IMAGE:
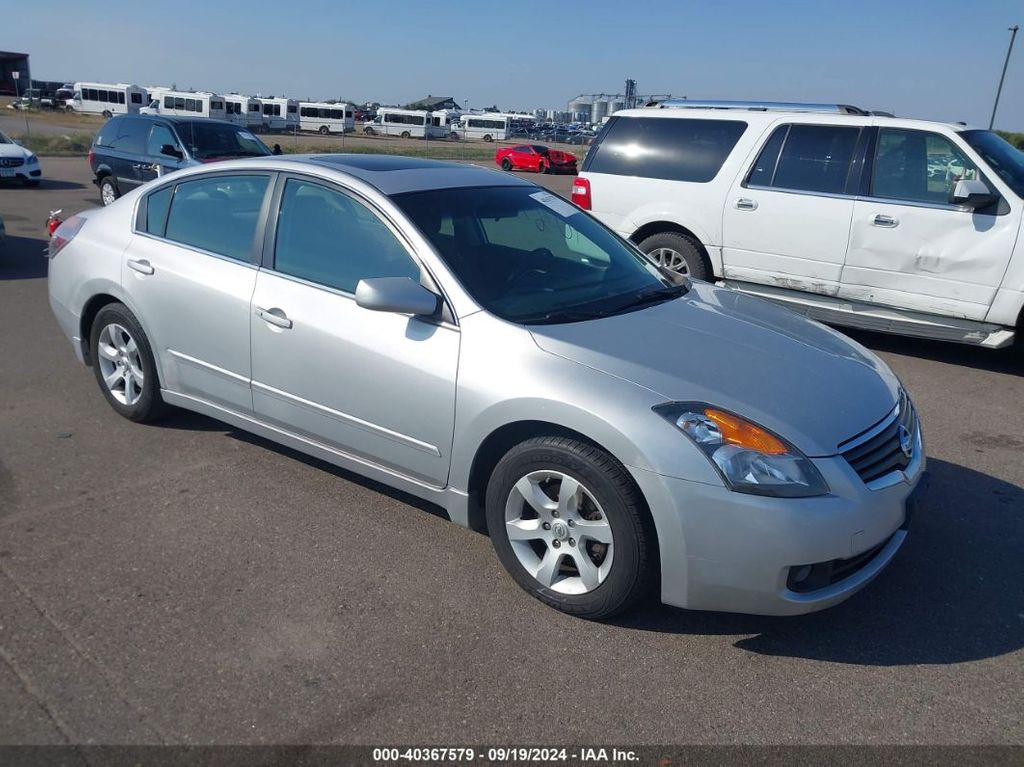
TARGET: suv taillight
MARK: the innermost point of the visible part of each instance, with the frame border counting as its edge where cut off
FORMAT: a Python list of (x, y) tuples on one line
[(581, 193), (64, 234), (92, 154)]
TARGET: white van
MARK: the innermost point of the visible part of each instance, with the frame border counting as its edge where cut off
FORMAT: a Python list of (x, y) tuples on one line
[(407, 123), (854, 218), (106, 99), (490, 126), (279, 114), (243, 110), (326, 118), (447, 120), (186, 104)]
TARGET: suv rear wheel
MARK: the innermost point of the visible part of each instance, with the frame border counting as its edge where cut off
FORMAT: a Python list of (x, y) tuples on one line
[(678, 253), (108, 190)]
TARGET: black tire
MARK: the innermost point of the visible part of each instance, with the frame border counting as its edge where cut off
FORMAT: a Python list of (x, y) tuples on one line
[(488, 138), (406, 134), (324, 130), (453, 136), (106, 114), (543, 167), (150, 405), (506, 164), (368, 130), (634, 562), (108, 181), (697, 264)]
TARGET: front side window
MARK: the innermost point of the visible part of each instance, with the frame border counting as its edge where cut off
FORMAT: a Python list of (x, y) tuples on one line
[(331, 239), (160, 136), (816, 158), (1006, 160), (528, 256), (168, 102), (206, 140), (666, 148), (917, 166), (217, 214)]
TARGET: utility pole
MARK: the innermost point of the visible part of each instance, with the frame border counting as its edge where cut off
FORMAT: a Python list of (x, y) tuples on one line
[(999, 90)]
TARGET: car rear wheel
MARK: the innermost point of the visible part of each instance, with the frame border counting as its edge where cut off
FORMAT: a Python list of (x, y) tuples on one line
[(543, 167), (488, 137), (405, 134), (106, 114), (570, 526), (123, 362), (324, 130), (108, 190), (678, 253), (506, 164)]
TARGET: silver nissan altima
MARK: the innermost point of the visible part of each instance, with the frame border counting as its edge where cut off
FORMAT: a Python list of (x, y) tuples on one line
[(472, 339)]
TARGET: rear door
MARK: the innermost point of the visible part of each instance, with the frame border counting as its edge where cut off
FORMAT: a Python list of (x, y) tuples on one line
[(123, 149), (191, 270), (786, 222), (909, 247)]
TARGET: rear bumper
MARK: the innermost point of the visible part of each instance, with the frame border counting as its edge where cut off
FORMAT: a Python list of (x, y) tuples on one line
[(731, 552)]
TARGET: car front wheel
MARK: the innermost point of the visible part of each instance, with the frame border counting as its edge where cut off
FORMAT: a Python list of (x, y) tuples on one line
[(123, 362), (570, 526)]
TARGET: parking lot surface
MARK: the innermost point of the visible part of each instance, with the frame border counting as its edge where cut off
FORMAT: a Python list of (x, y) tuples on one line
[(190, 583)]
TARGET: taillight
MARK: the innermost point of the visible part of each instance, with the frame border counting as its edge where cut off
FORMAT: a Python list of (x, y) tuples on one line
[(64, 233), (92, 155), (581, 193)]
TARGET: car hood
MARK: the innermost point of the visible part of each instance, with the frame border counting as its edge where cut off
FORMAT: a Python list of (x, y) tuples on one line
[(13, 150), (804, 381)]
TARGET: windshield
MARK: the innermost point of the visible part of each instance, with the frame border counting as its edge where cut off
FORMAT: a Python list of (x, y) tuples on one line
[(1003, 158), (529, 256), (207, 140)]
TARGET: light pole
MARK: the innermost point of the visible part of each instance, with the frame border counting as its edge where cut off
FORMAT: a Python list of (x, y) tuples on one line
[(999, 90)]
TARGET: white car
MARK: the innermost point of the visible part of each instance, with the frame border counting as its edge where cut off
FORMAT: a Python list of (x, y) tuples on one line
[(16, 162), (850, 217)]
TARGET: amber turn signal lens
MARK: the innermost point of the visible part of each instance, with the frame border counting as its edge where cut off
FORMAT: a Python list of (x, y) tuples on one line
[(736, 431)]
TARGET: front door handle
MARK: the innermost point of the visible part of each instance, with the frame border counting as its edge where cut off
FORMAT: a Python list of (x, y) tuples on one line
[(745, 203), (142, 266), (888, 222), (274, 316)]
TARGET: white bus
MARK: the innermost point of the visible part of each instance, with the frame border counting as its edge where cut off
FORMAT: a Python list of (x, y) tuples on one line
[(107, 99), (490, 126), (186, 104), (407, 123), (279, 114), (244, 110), (326, 118), (448, 119)]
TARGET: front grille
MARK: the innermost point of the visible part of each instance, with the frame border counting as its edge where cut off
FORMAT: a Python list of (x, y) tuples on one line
[(805, 578), (11, 162), (879, 450)]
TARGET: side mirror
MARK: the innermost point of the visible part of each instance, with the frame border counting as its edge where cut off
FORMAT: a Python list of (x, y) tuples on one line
[(171, 151), (400, 295), (971, 193)]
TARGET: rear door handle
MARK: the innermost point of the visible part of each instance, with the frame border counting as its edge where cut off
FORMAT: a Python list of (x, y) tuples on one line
[(885, 221), (274, 316), (745, 203), (142, 266)]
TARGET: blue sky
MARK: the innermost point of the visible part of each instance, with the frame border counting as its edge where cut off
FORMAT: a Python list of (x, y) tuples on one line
[(926, 58)]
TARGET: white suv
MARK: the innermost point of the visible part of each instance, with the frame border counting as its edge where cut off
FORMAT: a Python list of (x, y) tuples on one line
[(858, 219)]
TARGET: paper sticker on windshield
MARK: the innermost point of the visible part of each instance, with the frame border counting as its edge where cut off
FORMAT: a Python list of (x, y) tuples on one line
[(556, 203), (246, 135)]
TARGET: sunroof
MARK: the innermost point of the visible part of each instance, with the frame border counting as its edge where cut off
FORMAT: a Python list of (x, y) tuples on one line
[(381, 162)]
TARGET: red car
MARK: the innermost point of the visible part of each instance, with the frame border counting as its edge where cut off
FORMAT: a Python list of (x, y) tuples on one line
[(535, 157)]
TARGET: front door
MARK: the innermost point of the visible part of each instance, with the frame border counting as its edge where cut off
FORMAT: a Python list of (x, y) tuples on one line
[(156, 163), (910, 248), (786, 223), (376, 385), (191, 271)]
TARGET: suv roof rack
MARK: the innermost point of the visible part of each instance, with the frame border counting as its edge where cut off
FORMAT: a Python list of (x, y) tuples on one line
[(759, 106)]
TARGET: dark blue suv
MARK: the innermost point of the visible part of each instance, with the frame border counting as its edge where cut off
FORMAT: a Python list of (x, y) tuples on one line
[(133, 149)]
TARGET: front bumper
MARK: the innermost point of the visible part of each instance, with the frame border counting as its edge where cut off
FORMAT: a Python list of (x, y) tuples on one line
[(732, 552)]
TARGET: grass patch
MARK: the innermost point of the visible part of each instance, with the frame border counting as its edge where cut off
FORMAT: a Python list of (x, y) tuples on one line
[(71, 145)]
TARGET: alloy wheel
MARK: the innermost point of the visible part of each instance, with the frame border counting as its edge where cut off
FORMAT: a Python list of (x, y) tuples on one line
[(670, 259), (120, 364)]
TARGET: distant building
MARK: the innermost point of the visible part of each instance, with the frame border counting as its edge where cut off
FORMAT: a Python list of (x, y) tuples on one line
[(432, 103), (10, 63), (595, 107)]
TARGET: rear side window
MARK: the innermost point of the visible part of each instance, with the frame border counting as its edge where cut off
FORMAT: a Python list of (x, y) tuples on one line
[(666, 148), (217, 214), (130, 136), (157, 205), (815, 158)]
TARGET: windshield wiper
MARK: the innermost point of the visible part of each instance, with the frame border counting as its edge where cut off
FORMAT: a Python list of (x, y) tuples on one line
[(657, 296), (562, 315)]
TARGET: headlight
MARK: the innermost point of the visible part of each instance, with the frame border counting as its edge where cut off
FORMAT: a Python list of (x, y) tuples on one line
[(749, 458), (31, 159)]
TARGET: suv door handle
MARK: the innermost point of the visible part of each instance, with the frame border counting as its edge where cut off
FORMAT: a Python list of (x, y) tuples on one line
[(274, 316), (142, 266), (744, 203), (885, 221)]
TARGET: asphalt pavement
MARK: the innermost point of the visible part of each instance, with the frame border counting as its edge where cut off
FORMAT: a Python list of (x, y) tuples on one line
[(190, 583)]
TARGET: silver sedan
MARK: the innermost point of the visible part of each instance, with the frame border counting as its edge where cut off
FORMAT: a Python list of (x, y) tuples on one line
[(467, 337)]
